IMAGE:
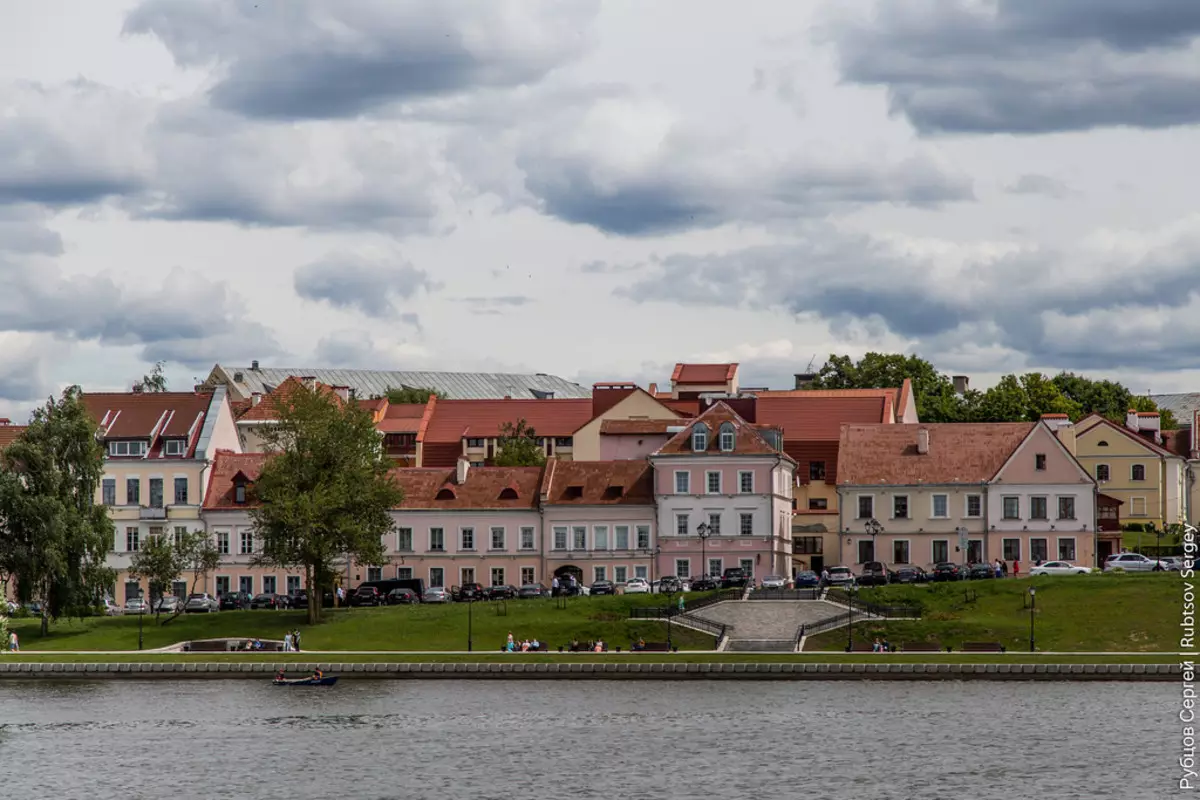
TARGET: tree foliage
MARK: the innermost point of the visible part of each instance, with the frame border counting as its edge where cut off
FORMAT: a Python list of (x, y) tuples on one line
[(1014, 398), (53, 535), (155, 381), (326, 495), (518, 446), (162, 560), (410, 394)]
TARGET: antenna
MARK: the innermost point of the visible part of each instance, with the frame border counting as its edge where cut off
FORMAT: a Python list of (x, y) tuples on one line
[(811, 361)]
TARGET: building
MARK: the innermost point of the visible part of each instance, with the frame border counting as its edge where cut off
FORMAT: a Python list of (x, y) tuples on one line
[(156, 465), (9, 433), (966, 493), (626, 423), (724, 494), (262, 410)]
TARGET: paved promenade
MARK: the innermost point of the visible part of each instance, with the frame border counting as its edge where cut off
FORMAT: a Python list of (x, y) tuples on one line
[(768, 619)]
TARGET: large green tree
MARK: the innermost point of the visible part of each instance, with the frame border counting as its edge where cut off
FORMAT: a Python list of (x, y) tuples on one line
[(410, 394), (155, 381), (53, 535), (161, 560), (327, 493), (518, 446)]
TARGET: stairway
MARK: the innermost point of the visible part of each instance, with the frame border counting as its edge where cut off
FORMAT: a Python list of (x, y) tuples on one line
[(761, 645)]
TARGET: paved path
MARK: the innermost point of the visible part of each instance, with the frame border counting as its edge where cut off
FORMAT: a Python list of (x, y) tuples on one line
[(768, 619)]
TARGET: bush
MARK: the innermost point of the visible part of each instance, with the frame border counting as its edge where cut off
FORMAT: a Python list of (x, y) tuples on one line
[(1134, 527)]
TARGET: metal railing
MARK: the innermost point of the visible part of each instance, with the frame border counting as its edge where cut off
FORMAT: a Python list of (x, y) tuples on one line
[(692, 604), (801, 632), (812, 629), (671, 612), (886, 612), (785, 594)]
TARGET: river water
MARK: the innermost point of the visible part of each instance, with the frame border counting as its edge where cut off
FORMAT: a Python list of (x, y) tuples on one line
[(562, 740)]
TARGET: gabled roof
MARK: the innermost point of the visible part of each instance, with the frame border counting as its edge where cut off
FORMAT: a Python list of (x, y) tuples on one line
[(10, 433), (268, 407), (607, 396), (1094, 419), (403, 417), (639, 427), (226, 466), (151, 416), (1063, 450), (703, 374), (805, 417), (453, 420), (748, 440), (514, 488), (594, 483), (883, 455)]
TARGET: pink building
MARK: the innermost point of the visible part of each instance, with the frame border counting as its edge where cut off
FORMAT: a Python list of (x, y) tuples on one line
[(724, 494)]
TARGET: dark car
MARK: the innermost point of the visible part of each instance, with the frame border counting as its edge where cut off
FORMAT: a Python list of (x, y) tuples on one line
[(468, 591), (946, 571), (401, 596), (910, 575), (368, 596), (268, 600), (602, 587), (874, 573), (704, 583), (806, 579), (978, 572), (669, 584), (235, 601), (299, 599), (532, 591), (734, 578), (504, 592)]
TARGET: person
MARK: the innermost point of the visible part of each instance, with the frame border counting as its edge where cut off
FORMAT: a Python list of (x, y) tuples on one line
[(824, 576), (296, 639), (1016, 568), (14, 644), (599, 646), (554, 587), (876, 647), (574, 584), (287, 642), (317, 674), (886, 646), (525, 646), (341, 596), (258, 644), (510, 637), (535, 644), (641, 645), (279, 676), (574, 645)]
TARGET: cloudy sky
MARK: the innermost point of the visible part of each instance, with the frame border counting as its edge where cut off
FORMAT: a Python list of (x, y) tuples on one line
[(597, 188)]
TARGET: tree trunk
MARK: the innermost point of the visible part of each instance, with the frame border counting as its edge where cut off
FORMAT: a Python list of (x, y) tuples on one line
[(314, 598), (45, 620)]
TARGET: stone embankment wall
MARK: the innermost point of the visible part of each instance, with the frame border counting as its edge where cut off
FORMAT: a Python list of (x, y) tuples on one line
[(604, 671)]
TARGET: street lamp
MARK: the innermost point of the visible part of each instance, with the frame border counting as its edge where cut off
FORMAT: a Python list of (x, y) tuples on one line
[(1158, 534), (141, 614), (669, 611), (653, 553), (704, 531), (850, 619), (874, 528), (1032, 606), (470, 622)]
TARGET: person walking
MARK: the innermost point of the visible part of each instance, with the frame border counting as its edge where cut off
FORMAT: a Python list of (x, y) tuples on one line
[(14, 644), (296, 639), (1016, 568), (287, 642)]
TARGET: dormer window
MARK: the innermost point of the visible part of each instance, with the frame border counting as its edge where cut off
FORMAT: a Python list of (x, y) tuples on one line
[(728, 437), (445, 493), (127, 449), (699, 439), (508, 493), (614, 492), (1102, 444), (574, 492), (239, 493), (175, 447)]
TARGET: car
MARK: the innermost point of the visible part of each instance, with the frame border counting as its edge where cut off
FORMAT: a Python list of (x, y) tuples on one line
[(299, 599), (978, 572), (774, 582), (111, 609), (840, 576), (1060, 568), (667, 584), (910, 574), (169, 605), (947, 571), (874, 573), (1174, 563), (806, 579), (734, 578), (436, 594), (368, 596), (235, 601), (1132, 562), (401, 596), (201, 603), (502, 592), (637, 586), (704, 583), (268, 600), (136, 605), (532, 591), (468, 591), (602, 587)]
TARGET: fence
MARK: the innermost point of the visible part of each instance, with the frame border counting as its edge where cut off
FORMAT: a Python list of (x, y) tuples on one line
[(785, 594), (886, 612), (692, 604), (717, 629)]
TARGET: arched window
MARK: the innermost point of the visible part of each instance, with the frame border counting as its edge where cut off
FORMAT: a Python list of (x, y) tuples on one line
[(699, 439), (445, 494), (728, 437), (508, 493), (1138, 473), (1101, 443)]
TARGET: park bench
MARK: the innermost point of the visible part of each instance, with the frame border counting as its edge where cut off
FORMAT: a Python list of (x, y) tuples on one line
[(982, 647), (653, 647), (211, 646), (921, 647), (861, 647)]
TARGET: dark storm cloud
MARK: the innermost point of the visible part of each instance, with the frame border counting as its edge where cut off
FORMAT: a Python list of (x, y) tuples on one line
[(371, 285)]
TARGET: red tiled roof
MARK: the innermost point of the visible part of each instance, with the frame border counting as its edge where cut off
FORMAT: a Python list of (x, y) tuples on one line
[(239, 407), (688, 408), (226, 466), (1121, 429), (1178, 441), (810, 416), (150, 415), (593, 483), (703, 374), (452, 420), (10, 433), (958, 452), (267, 409), (402, 418), (482, 489), (748, 440), (639, 427)]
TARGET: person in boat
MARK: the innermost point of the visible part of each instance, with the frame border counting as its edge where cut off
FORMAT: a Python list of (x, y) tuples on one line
[(318, 674), (280, 676)]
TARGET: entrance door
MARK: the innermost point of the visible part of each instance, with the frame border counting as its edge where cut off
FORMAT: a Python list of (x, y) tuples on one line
[(1104, 550), (975, 551), (818, 563)]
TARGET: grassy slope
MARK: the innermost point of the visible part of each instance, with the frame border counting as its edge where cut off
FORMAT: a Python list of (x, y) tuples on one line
[(421, 627), (1107, 613), (645, 658)]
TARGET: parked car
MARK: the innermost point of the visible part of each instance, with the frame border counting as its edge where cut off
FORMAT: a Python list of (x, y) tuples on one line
[(201, 603), (136, 605), (947, 571), (468, 591), (299, 599), (602, 587), (436, 594), (637, 586), (979, 572), (734, 578), (1173, 563), (235, 601), (874, 573), (667, 584), (840, 576), (401, 596), (1060, 568), (503, 592), (268, 600), (774, 582), (704, 583), (807, 579), (910, 574), (169, 604), (532, 591), (1132, 562), (368, 596), (111, 609)]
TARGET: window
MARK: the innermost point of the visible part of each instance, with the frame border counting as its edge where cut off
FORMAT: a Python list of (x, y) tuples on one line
[(180, 533), (474, 442), (478, 464), (175, 447), (699, 439), (866, 551), (269, 584), (130, 449), (1102, 473), (1012, 507), (620, 574), (621, 537), (156, 533), (527, 538), (714, 524), (246, 543), (683, 568), (598, 573), (222, 585), (1066, 549), (466, 575), (939, 506), (1138, 472), (1066, 507), (1039, 462), (746, 524), (683, 482), (1037, 508), (728, 437), (437, 540), (818, 504), (132, 539), (900, 552), (807, 545), (1038, 550), (560, 537), (528, 575), (497, 576), (712, 482), (746, 482), (404, 573), (223, 542), (866, 506), (374, 573), (497, 538), (293, 584), (404, 539), (437, 576), (900, 506), (716, 567), (974, 506), (579, 534), (600, 537), (156, 492), (181, 492), (133, 491), (1012, 549), (643, 537), (640, 572), (1137, 506), (108, 490), (466, 539), (1101, 443), (681, 525), (747, 565), (941, 551), (239, 493), (816, 470)]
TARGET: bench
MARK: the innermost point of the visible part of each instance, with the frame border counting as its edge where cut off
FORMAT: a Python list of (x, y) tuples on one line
[(542, 647), (653, 647), (219, 646), (982, 647), (583, 648), (921, 647), (861, 647)]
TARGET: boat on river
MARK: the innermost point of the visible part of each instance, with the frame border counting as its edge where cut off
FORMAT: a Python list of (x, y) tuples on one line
[(328, 680)]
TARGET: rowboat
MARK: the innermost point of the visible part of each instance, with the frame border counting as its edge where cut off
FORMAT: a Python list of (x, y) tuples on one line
[(329, 680)]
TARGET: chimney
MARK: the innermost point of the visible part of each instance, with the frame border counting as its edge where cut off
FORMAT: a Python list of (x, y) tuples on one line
[(460, 473), (137, 389), (254, 365), (961, 384), (923, 441), (255, 398), (805, 379), (309, 380), (5, 421), (342, 392), (238, 376), (1131, 420)]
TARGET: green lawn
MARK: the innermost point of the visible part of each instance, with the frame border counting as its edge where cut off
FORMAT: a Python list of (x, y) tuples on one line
[(420, 627), (1104, 613)]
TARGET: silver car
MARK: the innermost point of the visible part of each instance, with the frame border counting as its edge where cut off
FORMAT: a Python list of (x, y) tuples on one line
[(202, 603), (435, 594), (1133, 562), (169, 604), (774, 582), (136, 605), (840, 576)]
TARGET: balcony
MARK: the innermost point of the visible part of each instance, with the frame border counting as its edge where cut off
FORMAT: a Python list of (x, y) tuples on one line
[(152, 512)]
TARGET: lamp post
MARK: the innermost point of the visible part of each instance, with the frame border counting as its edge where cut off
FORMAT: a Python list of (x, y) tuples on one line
[(1032, 606), (653, 553), (470, 621), (141, 615), (850, 619), (670, 610), (1158, 534), (704, 531), (874, 528)]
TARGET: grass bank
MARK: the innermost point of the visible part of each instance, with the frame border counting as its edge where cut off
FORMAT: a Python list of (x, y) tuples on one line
[(1101, 613)]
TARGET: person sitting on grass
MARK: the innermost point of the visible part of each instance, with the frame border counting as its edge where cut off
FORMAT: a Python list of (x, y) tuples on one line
[(640, 645), (535, 645)]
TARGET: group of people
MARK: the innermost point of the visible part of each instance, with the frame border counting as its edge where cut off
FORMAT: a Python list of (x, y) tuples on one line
[(317, 674), (515, 645), (882, 646), (291, 641), (565, 586), (597, 646)]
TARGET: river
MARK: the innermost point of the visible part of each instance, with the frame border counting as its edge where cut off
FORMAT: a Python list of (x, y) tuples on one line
[(563, 740)]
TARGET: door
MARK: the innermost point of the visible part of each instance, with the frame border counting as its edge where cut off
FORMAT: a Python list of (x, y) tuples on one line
[(222, 585), (818, 563), (975, 551), (246, 584), (747, 565)]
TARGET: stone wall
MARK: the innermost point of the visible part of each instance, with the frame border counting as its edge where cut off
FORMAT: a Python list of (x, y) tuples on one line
[(605, 671)]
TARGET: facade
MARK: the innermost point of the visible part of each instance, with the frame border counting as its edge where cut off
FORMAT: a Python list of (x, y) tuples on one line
[(615, 404), (471, 429), (1130, 465), (724, 495)]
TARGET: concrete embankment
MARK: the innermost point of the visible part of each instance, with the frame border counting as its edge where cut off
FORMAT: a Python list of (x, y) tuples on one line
[(601, 671)]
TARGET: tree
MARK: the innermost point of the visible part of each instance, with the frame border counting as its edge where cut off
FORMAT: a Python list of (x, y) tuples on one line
[(53, 535), (161, 561), (934, 392), (156, 381), (518, 446), (327, 493), (410, 394)]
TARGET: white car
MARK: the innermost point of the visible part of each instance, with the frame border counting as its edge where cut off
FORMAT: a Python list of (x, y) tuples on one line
[(1132, 562), (637, 586), (774, 582), (1060, 568)]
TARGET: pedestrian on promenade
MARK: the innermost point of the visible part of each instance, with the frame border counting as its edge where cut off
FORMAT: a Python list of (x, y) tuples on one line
[(14, 645), (287, 642), (296, 640)]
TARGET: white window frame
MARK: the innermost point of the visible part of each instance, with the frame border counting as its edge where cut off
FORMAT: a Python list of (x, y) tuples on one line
[(599, 573), (682, 521), (530, 572), (858, 505), (620, 574), (1074, 547), (933, 559), (492, 575), (442, 533), (714, 523), (462, 541), (699, 438), (1074, 507), (503, 532), (684, 486), (246, 542), (1004, 510), (907, 506), (933, 506), (1045, 499), (727, 430), (640, 571), (400, 548), (907, 547), (620, 534), (1133, 501), (528, 538), (742, 475), (175, 447), (637, 532), (686, 565), (575, 531), (720, 566), (743, 516), (440, 580), (708, 481), (600, 537), (967, 506), (565, 531)]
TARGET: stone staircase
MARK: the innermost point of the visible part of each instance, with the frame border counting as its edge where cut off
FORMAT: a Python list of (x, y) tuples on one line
[(761, 645)]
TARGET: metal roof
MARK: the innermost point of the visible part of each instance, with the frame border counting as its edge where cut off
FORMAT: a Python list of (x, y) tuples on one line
[(1181, 405), (454, 385)]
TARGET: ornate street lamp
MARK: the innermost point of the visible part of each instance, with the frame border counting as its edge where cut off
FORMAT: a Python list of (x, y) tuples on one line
[(704, 531), (141, 615), (874, 528), (1032, 606)]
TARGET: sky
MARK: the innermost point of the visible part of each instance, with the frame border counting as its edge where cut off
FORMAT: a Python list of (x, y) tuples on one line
[(597, 188)]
